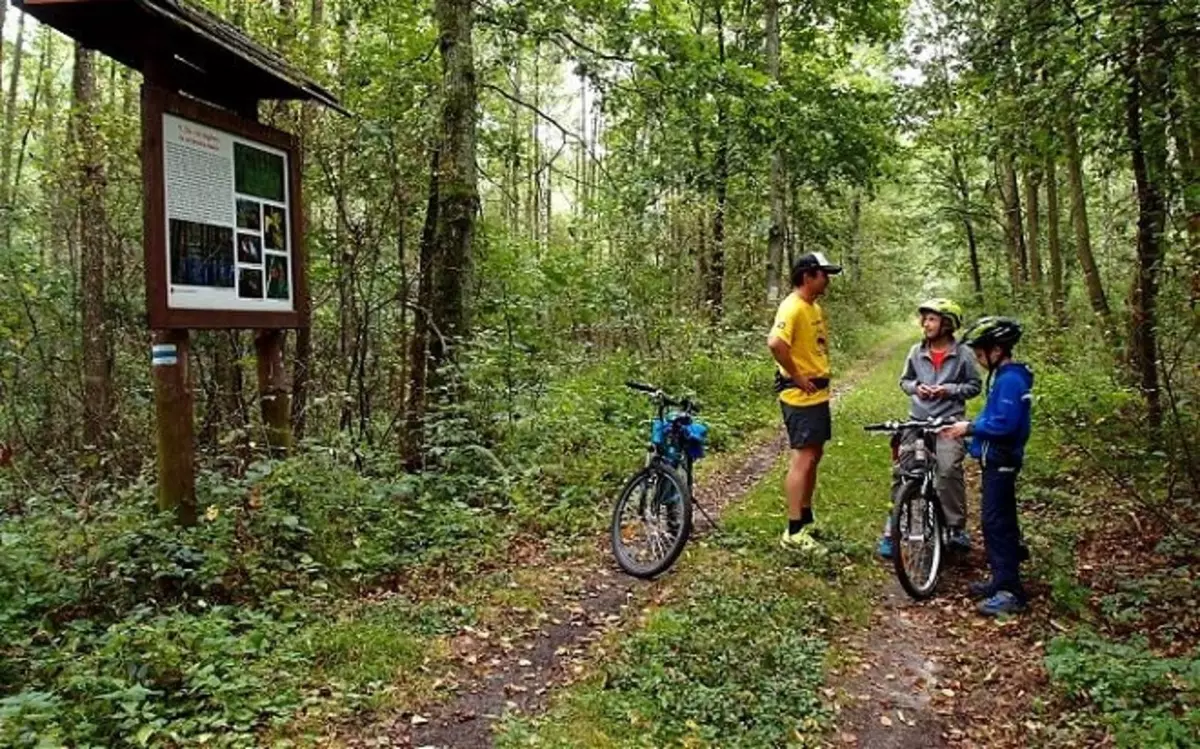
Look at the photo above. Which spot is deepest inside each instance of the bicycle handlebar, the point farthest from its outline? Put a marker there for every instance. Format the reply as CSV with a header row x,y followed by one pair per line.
x,y
928,425
686,404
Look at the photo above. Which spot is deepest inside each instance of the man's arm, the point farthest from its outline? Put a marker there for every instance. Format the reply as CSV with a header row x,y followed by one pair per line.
x,y
782,351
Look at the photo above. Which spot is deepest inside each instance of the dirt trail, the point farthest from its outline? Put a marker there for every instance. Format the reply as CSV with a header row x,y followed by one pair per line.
x,y
935,673
517,673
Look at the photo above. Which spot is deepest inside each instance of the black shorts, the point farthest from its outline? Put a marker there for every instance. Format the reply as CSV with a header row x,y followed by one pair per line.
x,y
807,426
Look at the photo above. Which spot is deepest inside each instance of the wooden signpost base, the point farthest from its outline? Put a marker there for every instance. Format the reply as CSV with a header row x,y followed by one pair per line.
x,y
274,394
174,407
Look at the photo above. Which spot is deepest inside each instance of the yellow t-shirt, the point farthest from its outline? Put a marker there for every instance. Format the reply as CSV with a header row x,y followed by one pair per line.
x,y
802,325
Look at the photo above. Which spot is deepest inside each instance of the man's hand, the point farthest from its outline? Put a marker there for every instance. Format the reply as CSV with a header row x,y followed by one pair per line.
x,y
957,430
805,384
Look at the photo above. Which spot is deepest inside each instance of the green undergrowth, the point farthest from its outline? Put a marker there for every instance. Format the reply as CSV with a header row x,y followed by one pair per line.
x,y
118,628
736,655
1112,537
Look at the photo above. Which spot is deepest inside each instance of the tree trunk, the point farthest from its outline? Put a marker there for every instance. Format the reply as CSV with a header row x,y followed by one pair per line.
x,y
1185,132
1057,298
775,237
3,18
1016,234
413,437
715,280
1032,233
1148,147
97,385
458,197
964,194
1083,240
7,190
853,259
302,358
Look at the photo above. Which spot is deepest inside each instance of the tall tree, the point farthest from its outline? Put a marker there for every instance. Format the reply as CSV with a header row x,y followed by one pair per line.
x,y
1011,196
1147,132
715,280
1083,236
458,196
97,386
1032,182
10,121
776,233
1053,240
301,368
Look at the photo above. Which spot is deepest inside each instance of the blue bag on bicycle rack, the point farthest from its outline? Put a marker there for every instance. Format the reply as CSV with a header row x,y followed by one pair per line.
x,y
697,438
658,432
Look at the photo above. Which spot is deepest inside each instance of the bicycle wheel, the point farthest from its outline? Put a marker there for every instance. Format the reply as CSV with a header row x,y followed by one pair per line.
x,y
651,522
917,542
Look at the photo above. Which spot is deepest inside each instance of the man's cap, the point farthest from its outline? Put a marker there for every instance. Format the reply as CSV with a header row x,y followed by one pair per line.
x,y
818,260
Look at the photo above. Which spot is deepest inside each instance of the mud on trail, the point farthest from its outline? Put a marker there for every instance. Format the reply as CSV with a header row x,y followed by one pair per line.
x,y
583,599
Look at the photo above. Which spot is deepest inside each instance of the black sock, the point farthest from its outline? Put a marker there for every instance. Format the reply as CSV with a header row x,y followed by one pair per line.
x,y
807,517
794,526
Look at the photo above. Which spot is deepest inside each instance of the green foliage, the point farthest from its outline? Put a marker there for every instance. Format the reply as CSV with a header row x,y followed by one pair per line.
x,y
1144,698
734,665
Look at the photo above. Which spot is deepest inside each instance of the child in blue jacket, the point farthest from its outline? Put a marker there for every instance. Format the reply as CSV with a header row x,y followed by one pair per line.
x,y
998,437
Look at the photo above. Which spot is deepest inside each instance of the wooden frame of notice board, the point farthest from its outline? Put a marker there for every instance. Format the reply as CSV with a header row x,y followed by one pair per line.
x,y
210,264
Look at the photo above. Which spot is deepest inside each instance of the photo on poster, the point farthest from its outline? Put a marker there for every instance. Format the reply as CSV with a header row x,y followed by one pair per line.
x,y
278,280
274,228
258,173
249,249
200,254
250,283
249,215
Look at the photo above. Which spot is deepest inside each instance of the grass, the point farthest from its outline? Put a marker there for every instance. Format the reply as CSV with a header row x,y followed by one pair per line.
x,y
736,653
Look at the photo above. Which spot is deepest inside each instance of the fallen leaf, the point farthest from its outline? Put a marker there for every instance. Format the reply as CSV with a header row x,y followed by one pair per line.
x,y
419,720
885,720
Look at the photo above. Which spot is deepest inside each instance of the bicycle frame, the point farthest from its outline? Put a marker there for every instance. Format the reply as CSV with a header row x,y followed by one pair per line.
x,y
927,475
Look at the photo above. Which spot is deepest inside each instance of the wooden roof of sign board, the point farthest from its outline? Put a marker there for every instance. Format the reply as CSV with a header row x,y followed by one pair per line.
x,y
200,54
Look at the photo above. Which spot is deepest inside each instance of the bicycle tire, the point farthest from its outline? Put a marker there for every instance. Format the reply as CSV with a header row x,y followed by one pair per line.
x,y
624,561
909,499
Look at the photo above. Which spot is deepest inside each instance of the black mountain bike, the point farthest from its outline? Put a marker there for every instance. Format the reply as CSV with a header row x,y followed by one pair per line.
x,y
652,519
919,532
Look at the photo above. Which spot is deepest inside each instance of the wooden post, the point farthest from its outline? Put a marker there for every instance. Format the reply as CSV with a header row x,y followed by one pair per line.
x,y
173,406
273,392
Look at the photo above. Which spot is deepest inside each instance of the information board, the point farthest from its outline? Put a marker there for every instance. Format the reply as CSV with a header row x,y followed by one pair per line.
x,y
222,221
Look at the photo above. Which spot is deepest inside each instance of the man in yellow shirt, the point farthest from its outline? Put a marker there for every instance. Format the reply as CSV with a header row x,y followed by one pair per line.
x,y
799,341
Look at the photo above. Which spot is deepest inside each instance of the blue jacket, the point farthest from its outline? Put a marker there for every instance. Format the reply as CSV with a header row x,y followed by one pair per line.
x,y
999,433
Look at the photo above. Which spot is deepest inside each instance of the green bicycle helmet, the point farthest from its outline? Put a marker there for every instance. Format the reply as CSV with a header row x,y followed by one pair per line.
x,y
947,308
992,331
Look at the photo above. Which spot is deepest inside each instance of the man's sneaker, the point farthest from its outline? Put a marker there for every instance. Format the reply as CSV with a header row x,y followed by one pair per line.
x,y
885,548
802,540
1002,604
981,589
959,540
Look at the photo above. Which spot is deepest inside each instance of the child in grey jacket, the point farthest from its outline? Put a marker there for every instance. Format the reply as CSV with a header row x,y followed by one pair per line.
x,y
940,377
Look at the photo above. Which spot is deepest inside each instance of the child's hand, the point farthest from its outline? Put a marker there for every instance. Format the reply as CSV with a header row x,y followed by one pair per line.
x,y
957,430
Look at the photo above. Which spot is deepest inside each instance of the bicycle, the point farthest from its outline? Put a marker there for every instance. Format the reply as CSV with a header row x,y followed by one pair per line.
x,y
919,532
658,498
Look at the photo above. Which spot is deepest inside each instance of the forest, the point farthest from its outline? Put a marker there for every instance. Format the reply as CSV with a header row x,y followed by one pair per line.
x,y
527,205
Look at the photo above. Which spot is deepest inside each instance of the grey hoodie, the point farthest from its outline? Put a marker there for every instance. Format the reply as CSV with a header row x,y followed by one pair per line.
x,y
957,374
